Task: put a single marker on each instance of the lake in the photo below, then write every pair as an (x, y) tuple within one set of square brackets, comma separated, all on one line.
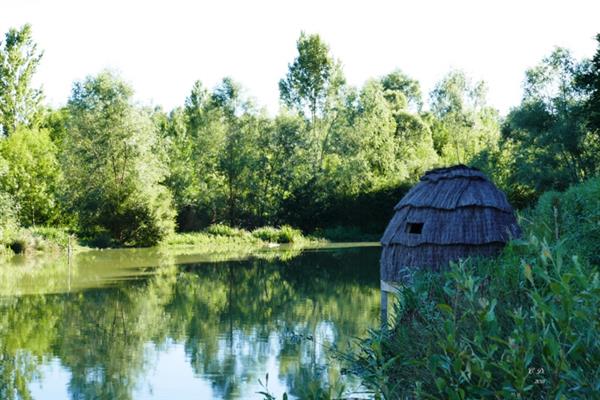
[(141, 324)]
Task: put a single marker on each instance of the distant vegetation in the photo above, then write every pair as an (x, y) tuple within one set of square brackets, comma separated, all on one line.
[(335, 159)]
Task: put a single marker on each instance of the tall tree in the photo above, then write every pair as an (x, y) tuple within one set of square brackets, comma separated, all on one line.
[(19, 101), (464, 123), (310, 87), (33, 177), (112, 164), (549, 126), (402, 92), (589, 81), (413, 144), (8, 208), (309, 78)]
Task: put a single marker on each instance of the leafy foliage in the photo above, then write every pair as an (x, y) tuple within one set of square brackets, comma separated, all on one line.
[(285, 234), (572, 217), (19, 102), (33, 177), (462, 336), (335, 155), (111, 160), (548, 141), (522, 326), (464, 124)]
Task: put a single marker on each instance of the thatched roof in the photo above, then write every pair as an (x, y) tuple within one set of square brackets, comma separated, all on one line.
[(451, 213)]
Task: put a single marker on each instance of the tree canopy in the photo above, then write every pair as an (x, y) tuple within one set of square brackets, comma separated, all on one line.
[(118, 172)]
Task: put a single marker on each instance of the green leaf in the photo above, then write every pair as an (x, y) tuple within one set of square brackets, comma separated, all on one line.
[(527, 271), (445, 308)]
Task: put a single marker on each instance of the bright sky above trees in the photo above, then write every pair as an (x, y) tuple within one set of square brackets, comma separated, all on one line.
[(162, 47)]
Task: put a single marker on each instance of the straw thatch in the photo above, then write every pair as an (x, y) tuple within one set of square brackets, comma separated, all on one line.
[(452, 213)]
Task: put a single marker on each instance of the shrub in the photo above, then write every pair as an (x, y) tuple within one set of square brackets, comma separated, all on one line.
[(22, 242), (285, 234), (267, 233), (34, 177), (143, 218), (523, 326), (53, 236), (224, 230), (8, 217), (572, 217), (149, 218)]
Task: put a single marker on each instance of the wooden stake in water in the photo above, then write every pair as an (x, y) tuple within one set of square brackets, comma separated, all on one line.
[(69, 254), (386, 287), (384, 305)]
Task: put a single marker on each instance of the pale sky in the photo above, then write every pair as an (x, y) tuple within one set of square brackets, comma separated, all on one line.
[(162, 47)]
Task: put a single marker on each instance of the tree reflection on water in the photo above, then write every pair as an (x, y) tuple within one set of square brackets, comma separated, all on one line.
[(230, 317)]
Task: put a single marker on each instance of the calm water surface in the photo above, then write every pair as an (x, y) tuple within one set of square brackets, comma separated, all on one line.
[(140, 324)]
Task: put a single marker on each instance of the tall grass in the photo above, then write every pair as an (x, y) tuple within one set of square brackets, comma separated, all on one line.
[(572, 217), (33, 240), (284, 234), (225, 235)]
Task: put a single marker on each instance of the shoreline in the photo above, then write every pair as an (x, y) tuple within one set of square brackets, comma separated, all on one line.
[(41, 242)]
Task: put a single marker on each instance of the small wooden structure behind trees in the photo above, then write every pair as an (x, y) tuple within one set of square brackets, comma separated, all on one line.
[(451, 214)]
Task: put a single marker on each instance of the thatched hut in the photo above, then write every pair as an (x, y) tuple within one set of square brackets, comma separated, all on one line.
[(452, 213)]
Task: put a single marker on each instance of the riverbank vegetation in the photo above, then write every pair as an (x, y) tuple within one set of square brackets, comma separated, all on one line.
[(524, 325), (335, 159), (216, 238)]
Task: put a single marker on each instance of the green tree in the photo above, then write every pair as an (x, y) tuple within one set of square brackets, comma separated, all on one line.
[(553, 144), (8, 208), (309, 78), (33, 177), (219, 158), (204, 139), (361, 156), (589, 80), (413, 144), (311, 87), (402, 92), (19, 101), (112, 162), (464, 124)]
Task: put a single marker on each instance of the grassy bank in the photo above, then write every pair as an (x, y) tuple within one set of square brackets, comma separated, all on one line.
[(32, 241), (525, 325)]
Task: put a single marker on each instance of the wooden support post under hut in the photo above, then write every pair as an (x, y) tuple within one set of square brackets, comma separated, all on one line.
[(452, 213)]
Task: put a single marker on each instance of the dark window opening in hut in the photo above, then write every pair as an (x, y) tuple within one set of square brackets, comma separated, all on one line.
[(414, 227)]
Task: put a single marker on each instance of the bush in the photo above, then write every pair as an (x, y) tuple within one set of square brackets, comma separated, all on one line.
[(8, 217), (151, 218), (18, 246), (22, 242), (224, 230), (285, 234), (34, 177), (142, 219), (572, 217), (55, 236), (523, 326)]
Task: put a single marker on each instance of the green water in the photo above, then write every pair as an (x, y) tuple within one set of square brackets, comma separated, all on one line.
[(137, 324)]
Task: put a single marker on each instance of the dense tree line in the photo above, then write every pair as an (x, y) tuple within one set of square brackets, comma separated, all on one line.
[(334, 155)]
